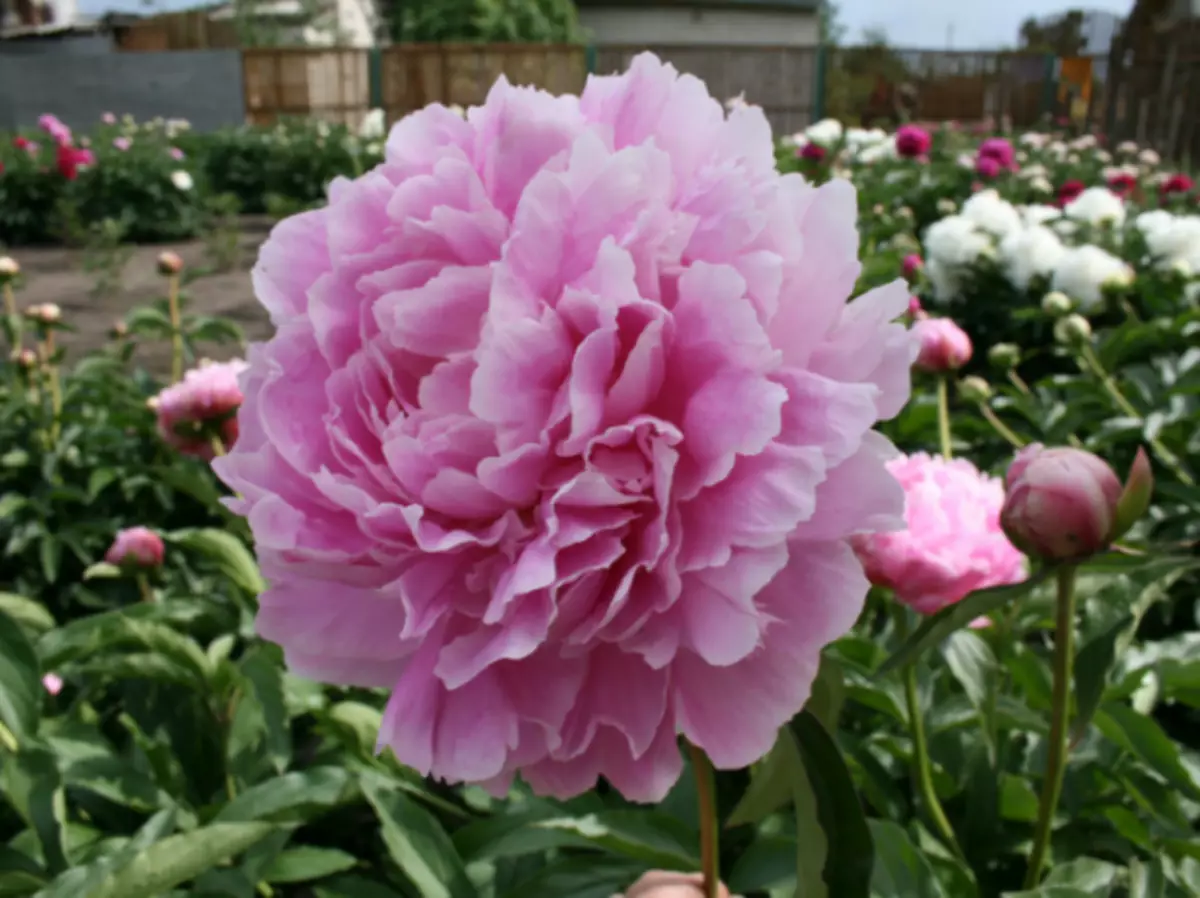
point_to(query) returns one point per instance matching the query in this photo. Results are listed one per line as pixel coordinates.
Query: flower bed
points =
(568, 444)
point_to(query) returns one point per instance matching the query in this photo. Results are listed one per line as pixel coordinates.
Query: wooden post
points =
(1164, 95)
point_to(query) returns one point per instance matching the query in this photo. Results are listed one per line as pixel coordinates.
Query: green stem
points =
(1000, 427)
(922, 767)
(144, 589)
(176, 330)
(1019, 382)
(944, 416)
(1060, 712)
(1092, 363)
(7, 739)
(710, 854)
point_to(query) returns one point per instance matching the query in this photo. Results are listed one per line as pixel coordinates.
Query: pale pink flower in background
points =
(202, 405)
(953, 544)
(58, 132)
(944, 346)
(136, 546)
(564, 432)
(52, 683)
(108, 118)
(122, 143)
(176, 154)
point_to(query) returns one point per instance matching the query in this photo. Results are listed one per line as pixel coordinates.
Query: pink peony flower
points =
(911, 265)
(999, 150)
(665, 884)
(71, 159)
(986, 167)
(564, 431)
(1065, 503)
(52, 683)
(1177, 183)
(953, 544)
(915, 309)
(944, 346)
(1122, 184)
(1069, 190)
(58, 132)
(136, 546)
(176, 153)
(813, 152)
(913, 141)
(122, 143)
(202, 405)
(108, 118)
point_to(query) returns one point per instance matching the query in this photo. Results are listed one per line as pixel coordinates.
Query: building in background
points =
(747, 23)
(33, 16)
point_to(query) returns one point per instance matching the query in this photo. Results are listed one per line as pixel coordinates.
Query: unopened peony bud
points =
(911, 265)
(1056, 304)
(1072, 330)
(52, 683)
(905, 212)
(136, 547)
(975, 389)
(1005, 356)
(946, 206)
(915, 309)
(169, 263)
(1067, 504)
(24, 358)
(120, 330)
(9, 269)
(944, 345)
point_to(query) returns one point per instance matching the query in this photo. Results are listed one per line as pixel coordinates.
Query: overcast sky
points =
(909, 23)
(966, 24)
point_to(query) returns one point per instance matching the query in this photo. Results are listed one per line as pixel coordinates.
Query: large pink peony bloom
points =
(564, 432)
(201, 406)
(953, 544)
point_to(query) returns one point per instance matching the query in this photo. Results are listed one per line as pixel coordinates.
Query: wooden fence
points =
(190, 30)
(284, 82)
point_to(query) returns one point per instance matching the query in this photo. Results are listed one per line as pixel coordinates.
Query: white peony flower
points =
(1102, 156)
(1037, 170)
(1029, 253)
(966, 160)
(1034, 139)
(1041, 185)
(182, 180)
(1084, 271)
(1037, 213)
(1171, 239)
(994, 215)
(1127, 147)
(373, 125)
(826, 132)
(1095, 206)
(952, 245)
(877, 152)
(1084, 142)
(1149, 157)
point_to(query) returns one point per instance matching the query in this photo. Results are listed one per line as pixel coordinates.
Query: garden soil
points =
(56, 274)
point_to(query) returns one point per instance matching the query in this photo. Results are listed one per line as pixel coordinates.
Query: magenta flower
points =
(58, 132)
(987, 167)
(1177, 183)
(52, 683)
(564, 431)
(122, 143)
(944, 346)
(913, 141)
(911, 265)
(1000, 151)
(200, 407)
(813, 152)
(953, 544)
(136, 547)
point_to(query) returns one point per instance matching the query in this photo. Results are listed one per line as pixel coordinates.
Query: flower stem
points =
(944, 416)
(144, 589)
(176, 329)
(1000, 427)
(1060, 711)
(218, 445)
(1092, 363)
(922, 768)
(710, 855)
(1019, 382)
(52, 383)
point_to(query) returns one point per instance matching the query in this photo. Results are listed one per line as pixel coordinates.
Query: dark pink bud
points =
(911, 265)
(944, 345)
(136, 547)
(1063, 504)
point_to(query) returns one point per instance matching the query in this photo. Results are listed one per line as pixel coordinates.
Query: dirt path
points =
(56, 274)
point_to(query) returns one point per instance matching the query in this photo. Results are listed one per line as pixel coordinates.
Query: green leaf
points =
(307, 862)
(102, 570)
(850, 858)
(417, 843)
(828, 693)
(81, 881)
(181, 858)
(34, 787)
(265, 678)
(117, 780)
(1091, 675)
(20, 681)
(1142, 737)
(1093, 876)
(294, 796)
(29, 614)
(769, 788)
(901, 870)
(639, 835)
(1147, 879)
(351, 886)
(934, 629)
(769, 863)
(972, 663)
(578, 878)
(229, 554)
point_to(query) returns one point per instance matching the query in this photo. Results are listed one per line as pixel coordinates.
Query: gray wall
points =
(78, 81)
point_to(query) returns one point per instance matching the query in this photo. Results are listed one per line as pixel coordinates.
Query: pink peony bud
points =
(1063, 504)
(911, 265)
(136, 547)
(52, 683)
(813, 152)
(202, 405)
(915, 309)
(944, 345)
(169, 263)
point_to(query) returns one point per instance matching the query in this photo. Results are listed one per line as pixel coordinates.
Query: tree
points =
(487, 21)
(1062, 35)
(833, 31)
